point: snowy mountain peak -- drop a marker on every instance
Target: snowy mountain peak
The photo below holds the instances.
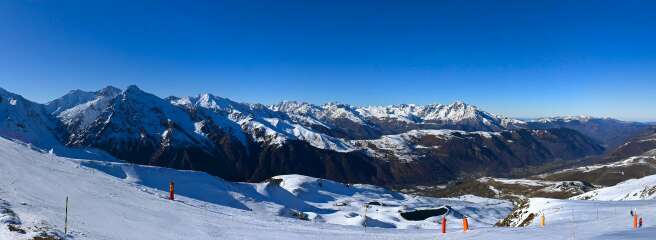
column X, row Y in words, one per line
column 142, row 98
column 324, row 115
column 286, row 106
column 460, row 103
column 133, row 89
column 78, row 97
column 337, row 104
column 79, row 110
column 109, row 91
column 458, row 114
column 209, row 101
column 454, row 112
column 296, row 107
column 580, row 118
column 76, row 92
column 219, row 104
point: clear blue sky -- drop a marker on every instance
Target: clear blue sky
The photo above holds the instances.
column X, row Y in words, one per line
column 517, row 58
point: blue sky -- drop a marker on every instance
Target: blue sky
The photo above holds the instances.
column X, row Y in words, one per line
column 516, row 58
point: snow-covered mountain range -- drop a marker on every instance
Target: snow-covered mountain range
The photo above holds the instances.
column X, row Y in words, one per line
column 393, row 145
column 374, row 121
column 240, row 141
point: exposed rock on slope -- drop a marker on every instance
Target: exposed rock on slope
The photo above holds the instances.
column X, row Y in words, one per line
column 451, row 153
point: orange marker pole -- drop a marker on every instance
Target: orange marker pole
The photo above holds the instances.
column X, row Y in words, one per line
column 171, row 191
column 443, row 224
column 542, row 220
column 465, row 224
column 635, row 221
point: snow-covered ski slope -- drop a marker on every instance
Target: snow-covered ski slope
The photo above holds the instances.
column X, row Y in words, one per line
column 581, row 219
column 632, row 189
column 114, row 200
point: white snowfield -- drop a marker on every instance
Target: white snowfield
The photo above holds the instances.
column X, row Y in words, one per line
column 579, row 219
column 632, row 189
column 114, row 200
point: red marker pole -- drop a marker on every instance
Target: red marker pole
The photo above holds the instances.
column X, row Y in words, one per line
column 443, row 224
column 171, row 191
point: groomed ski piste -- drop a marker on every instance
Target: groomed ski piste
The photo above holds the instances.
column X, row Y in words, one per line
column 117, row 200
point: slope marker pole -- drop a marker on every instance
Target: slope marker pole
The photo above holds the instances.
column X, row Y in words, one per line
column 443, row 224
column 66, row 220
column 635, row 221
column 171, row 190
column 364, row 223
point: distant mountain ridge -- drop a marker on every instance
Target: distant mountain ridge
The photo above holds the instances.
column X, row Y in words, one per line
column 250, row 142
column 607, row 131
column 636, row 158
column 375, row 121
